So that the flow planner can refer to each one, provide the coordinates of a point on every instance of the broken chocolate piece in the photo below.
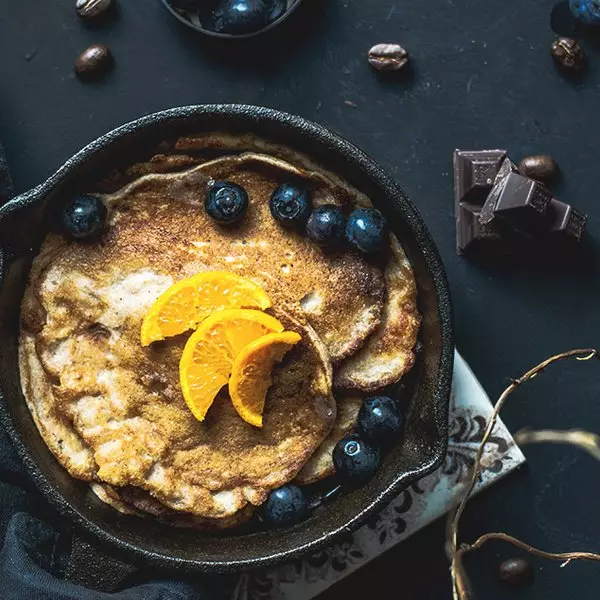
(523, 202)
(506, 168)
(487, 210)
(474, 174)
(487, 215)
(467, 228)
(567, 222)
(495, 239)
(470, 231)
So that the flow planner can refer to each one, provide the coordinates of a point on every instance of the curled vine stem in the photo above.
(590, 442)
(583, 439)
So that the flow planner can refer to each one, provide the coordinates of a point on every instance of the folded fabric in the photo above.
(30, 553)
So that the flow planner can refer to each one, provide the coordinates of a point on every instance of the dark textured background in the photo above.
(481, 77)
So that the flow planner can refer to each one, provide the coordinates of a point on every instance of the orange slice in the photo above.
(251, 373)
(188, 302)
(208, 356)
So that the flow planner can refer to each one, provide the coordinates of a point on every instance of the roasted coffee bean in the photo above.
(568, 54)
(93, 61)
(388, 57)
(515, 572)
(540, 166)
(92, 9)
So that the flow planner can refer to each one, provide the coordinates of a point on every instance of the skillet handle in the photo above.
(91, 568)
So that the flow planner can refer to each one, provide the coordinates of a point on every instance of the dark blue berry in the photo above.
(367, 230)
(355, 459)
(226, 202)
(326, 225)
(291, 206)
(380, 420)
(586, 11)
(285, 506)
(83, 217)
(241, 16)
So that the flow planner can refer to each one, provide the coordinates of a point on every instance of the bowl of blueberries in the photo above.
(231, 18)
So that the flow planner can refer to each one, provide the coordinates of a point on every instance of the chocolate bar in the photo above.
(500, 211)
(474, 174)
(519, 200)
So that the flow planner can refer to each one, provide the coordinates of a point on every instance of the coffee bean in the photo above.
(93, 61)
(92, 9)
(515, 572)
(568, 54)
(540, 167)
(388, 57)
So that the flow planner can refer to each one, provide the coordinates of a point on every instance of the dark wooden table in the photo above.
(481, 77)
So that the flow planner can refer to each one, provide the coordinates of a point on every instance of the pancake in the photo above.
(133, 501)
(125, 403)
(389, 351)
(112, 412)
(81, 320)
(320, 464)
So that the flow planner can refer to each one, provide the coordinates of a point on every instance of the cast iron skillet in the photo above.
(24, 222)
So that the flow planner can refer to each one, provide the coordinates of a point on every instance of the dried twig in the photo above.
(588, 441)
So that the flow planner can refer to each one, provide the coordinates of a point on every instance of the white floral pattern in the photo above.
(414, 508)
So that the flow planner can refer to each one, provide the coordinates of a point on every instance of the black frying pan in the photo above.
(24, 222)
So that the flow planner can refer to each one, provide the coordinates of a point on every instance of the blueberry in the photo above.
(380, 420)
(366, 230)
(241, 16)
(586, 11)
(83, 217)
(291, 206)
(285, 506)
(355, 459)
(226, 202)
(326, 225)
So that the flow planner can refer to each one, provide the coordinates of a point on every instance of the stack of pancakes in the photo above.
(112, 412)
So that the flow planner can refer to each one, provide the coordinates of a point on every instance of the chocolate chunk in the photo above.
(500, 212)
(474, 174)
(506, 168)
(468, 228)
(521, 201)
(473, 237)
(487, 211)
(567, 222)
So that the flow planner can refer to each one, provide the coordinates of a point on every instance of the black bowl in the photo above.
(24, 222)
(193, 21)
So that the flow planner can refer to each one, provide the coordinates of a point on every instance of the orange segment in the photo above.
(251, 373)
(209, 354)
(188, 302)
